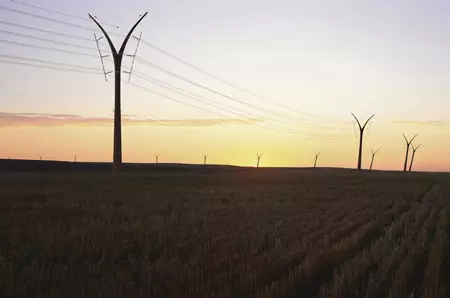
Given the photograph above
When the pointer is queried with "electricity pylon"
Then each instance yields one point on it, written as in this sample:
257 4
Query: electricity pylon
315 160
373 157
156 158
205 156
259 158
408 143
413 154
117 56
361 135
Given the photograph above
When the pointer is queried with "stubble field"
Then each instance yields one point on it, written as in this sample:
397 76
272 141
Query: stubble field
254 233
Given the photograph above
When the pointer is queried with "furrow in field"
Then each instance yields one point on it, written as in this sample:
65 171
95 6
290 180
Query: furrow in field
254 269
351 278
407 280
433 279
305 278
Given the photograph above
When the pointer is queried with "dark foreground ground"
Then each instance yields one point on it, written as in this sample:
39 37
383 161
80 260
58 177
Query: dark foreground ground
234 233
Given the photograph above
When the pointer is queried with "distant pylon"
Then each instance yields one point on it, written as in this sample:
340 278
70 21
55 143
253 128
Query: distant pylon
205 156
315 160
408 143
259 158
413 154
373 157
361 135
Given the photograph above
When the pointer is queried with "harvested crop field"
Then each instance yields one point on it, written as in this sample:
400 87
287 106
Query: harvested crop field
253 233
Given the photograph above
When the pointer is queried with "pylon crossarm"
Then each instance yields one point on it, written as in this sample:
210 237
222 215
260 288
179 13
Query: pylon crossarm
124 44
101 56
111 45
134 55
357 121
413 138
368 121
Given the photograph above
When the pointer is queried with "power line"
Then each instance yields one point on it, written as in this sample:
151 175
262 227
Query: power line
46 40
84 69
91 70
71 67
88 68
189 94
160 68
142 60
145 62
22 12
209 74
45 31
172 98
197 107
322 119
85 54
48 67
85 47
204 101
196 97
178 91
46 48
263 110
57 12
152 65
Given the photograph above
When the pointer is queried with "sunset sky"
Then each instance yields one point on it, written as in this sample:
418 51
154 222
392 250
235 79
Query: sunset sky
308 64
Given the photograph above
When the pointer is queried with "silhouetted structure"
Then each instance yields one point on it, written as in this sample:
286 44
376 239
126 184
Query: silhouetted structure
205 156
408 143
156 158
315 159
361 135
259 158
117 56
413 154
373 157
75 158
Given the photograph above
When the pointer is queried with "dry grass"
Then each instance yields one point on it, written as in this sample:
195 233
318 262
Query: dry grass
238 234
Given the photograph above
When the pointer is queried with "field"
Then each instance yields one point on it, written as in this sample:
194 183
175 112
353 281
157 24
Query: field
252 233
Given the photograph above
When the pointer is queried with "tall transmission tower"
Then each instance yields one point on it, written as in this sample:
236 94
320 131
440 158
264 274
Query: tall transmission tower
117 56
413 154
316 157
373 157
361 135
258 155
408 143
156 158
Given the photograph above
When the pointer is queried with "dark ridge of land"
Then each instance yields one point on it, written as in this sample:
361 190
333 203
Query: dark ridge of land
23 165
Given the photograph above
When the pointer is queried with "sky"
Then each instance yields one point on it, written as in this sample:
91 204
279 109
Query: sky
290 75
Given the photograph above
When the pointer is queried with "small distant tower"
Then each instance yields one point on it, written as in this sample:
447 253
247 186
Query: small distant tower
373 157
413 154
408 143
258 155
315 160
205 156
